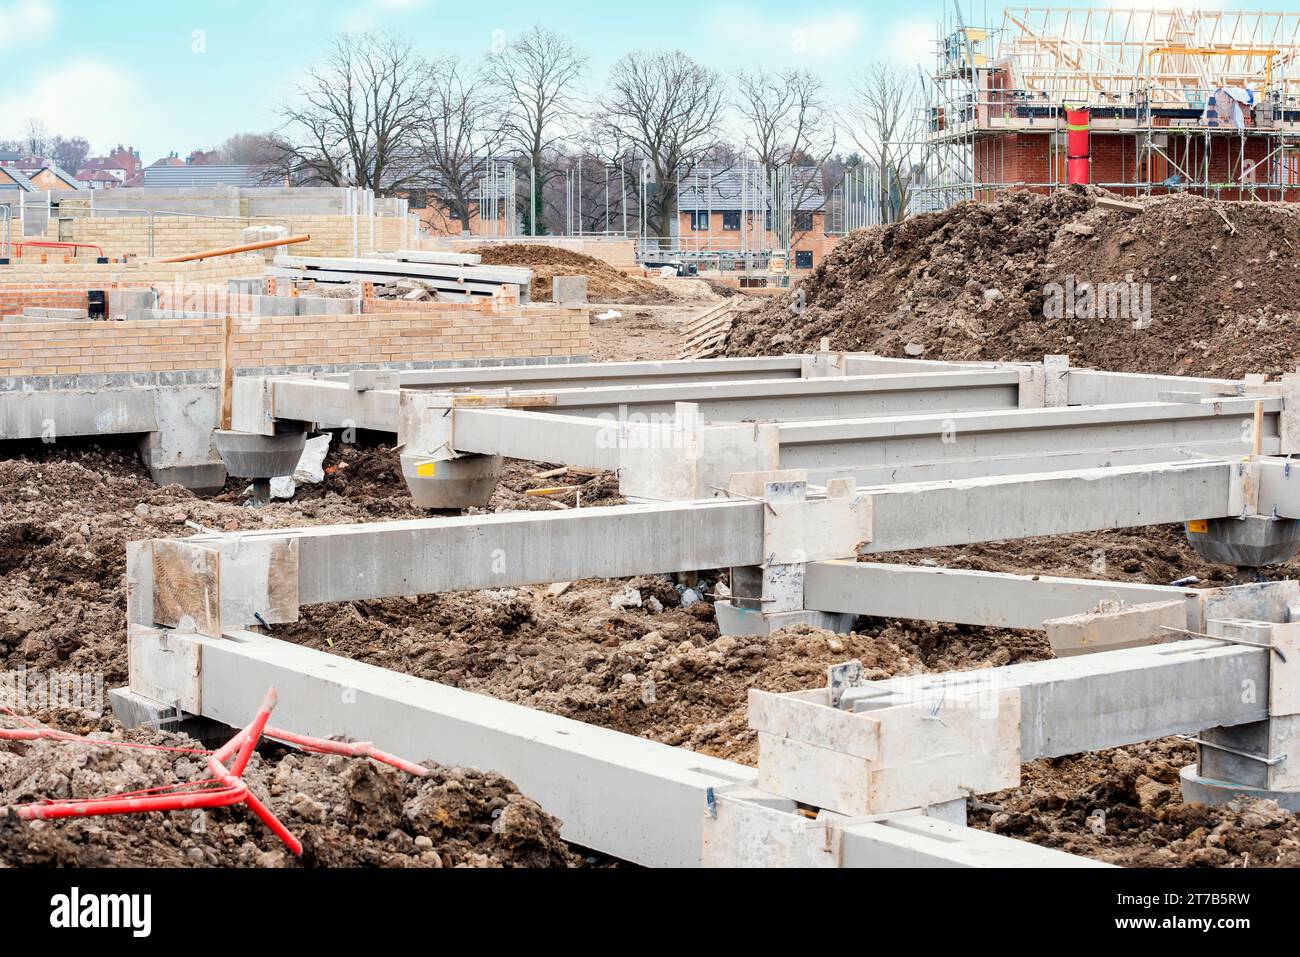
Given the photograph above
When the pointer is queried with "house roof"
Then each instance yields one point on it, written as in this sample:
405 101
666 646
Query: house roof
202 175
17 179
721 189
64 176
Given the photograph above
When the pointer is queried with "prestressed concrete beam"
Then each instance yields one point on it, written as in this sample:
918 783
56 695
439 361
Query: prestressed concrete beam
56 414
1106 700
990 599
392 559
917 448
595 374
1092 387
635 799
540 437
791 399
933 514
749 828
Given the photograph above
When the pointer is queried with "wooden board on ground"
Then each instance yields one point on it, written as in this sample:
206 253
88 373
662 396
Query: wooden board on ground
706 334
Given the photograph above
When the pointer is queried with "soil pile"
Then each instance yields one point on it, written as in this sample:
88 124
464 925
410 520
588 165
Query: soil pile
1124 807
986 281
604 282
346 812
67 515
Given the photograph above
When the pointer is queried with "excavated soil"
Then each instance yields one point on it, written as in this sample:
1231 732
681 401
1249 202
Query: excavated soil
658 670
969 283
346 812
604 282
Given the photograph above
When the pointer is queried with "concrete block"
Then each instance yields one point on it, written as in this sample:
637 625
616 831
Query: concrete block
122 301
323 306
569 290
1118 627
274 306
738 622
374 380
894 759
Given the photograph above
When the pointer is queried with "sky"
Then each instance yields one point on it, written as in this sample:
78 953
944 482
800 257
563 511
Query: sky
164 75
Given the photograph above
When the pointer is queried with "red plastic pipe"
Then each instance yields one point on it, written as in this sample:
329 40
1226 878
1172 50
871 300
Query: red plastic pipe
1079 145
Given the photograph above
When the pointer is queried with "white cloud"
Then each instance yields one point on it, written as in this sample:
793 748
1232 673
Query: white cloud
911 42
742 31
372 14
25 21
81 97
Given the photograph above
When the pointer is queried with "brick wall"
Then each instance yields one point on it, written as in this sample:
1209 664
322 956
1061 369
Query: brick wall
14 300
90 275
90 348
173 236
1028 159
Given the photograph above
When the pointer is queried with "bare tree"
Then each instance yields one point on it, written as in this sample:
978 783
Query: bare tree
251 149
536 78
69 153
667 111
789 123
887 121
462 130
36 139
357 117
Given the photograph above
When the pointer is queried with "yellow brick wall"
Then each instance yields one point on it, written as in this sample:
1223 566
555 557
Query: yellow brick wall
91 275
174 236
89 348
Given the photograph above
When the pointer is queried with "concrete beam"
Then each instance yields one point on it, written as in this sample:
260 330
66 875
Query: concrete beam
594 374
929 515
64 414
637 800
918 448
1106 700
990 599
392 559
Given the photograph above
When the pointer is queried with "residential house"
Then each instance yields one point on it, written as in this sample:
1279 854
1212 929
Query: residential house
730 211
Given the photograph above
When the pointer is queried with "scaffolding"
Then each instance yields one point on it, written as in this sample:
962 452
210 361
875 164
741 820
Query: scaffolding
497 199
1149 78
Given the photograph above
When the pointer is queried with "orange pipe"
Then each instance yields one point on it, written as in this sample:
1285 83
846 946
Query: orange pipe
236 250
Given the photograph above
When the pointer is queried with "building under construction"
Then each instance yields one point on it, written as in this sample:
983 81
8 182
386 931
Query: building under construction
1141 102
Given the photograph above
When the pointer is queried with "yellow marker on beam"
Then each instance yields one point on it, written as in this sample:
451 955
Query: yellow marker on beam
1199 528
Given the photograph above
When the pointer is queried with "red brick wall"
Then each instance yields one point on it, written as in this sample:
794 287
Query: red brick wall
1028 159
14 301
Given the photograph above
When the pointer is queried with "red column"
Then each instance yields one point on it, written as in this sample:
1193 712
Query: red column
1078 123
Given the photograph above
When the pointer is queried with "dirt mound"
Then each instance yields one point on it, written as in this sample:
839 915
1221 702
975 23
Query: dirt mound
1124 807
346 812
67 514
987 281
604 282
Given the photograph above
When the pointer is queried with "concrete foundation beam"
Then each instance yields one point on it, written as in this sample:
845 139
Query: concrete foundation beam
928 515
923 593
392 559
1114 628
1106 700
634 799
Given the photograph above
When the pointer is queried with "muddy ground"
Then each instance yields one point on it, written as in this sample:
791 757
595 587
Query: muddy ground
604 282
663 674
346 812
1215 284
654 669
